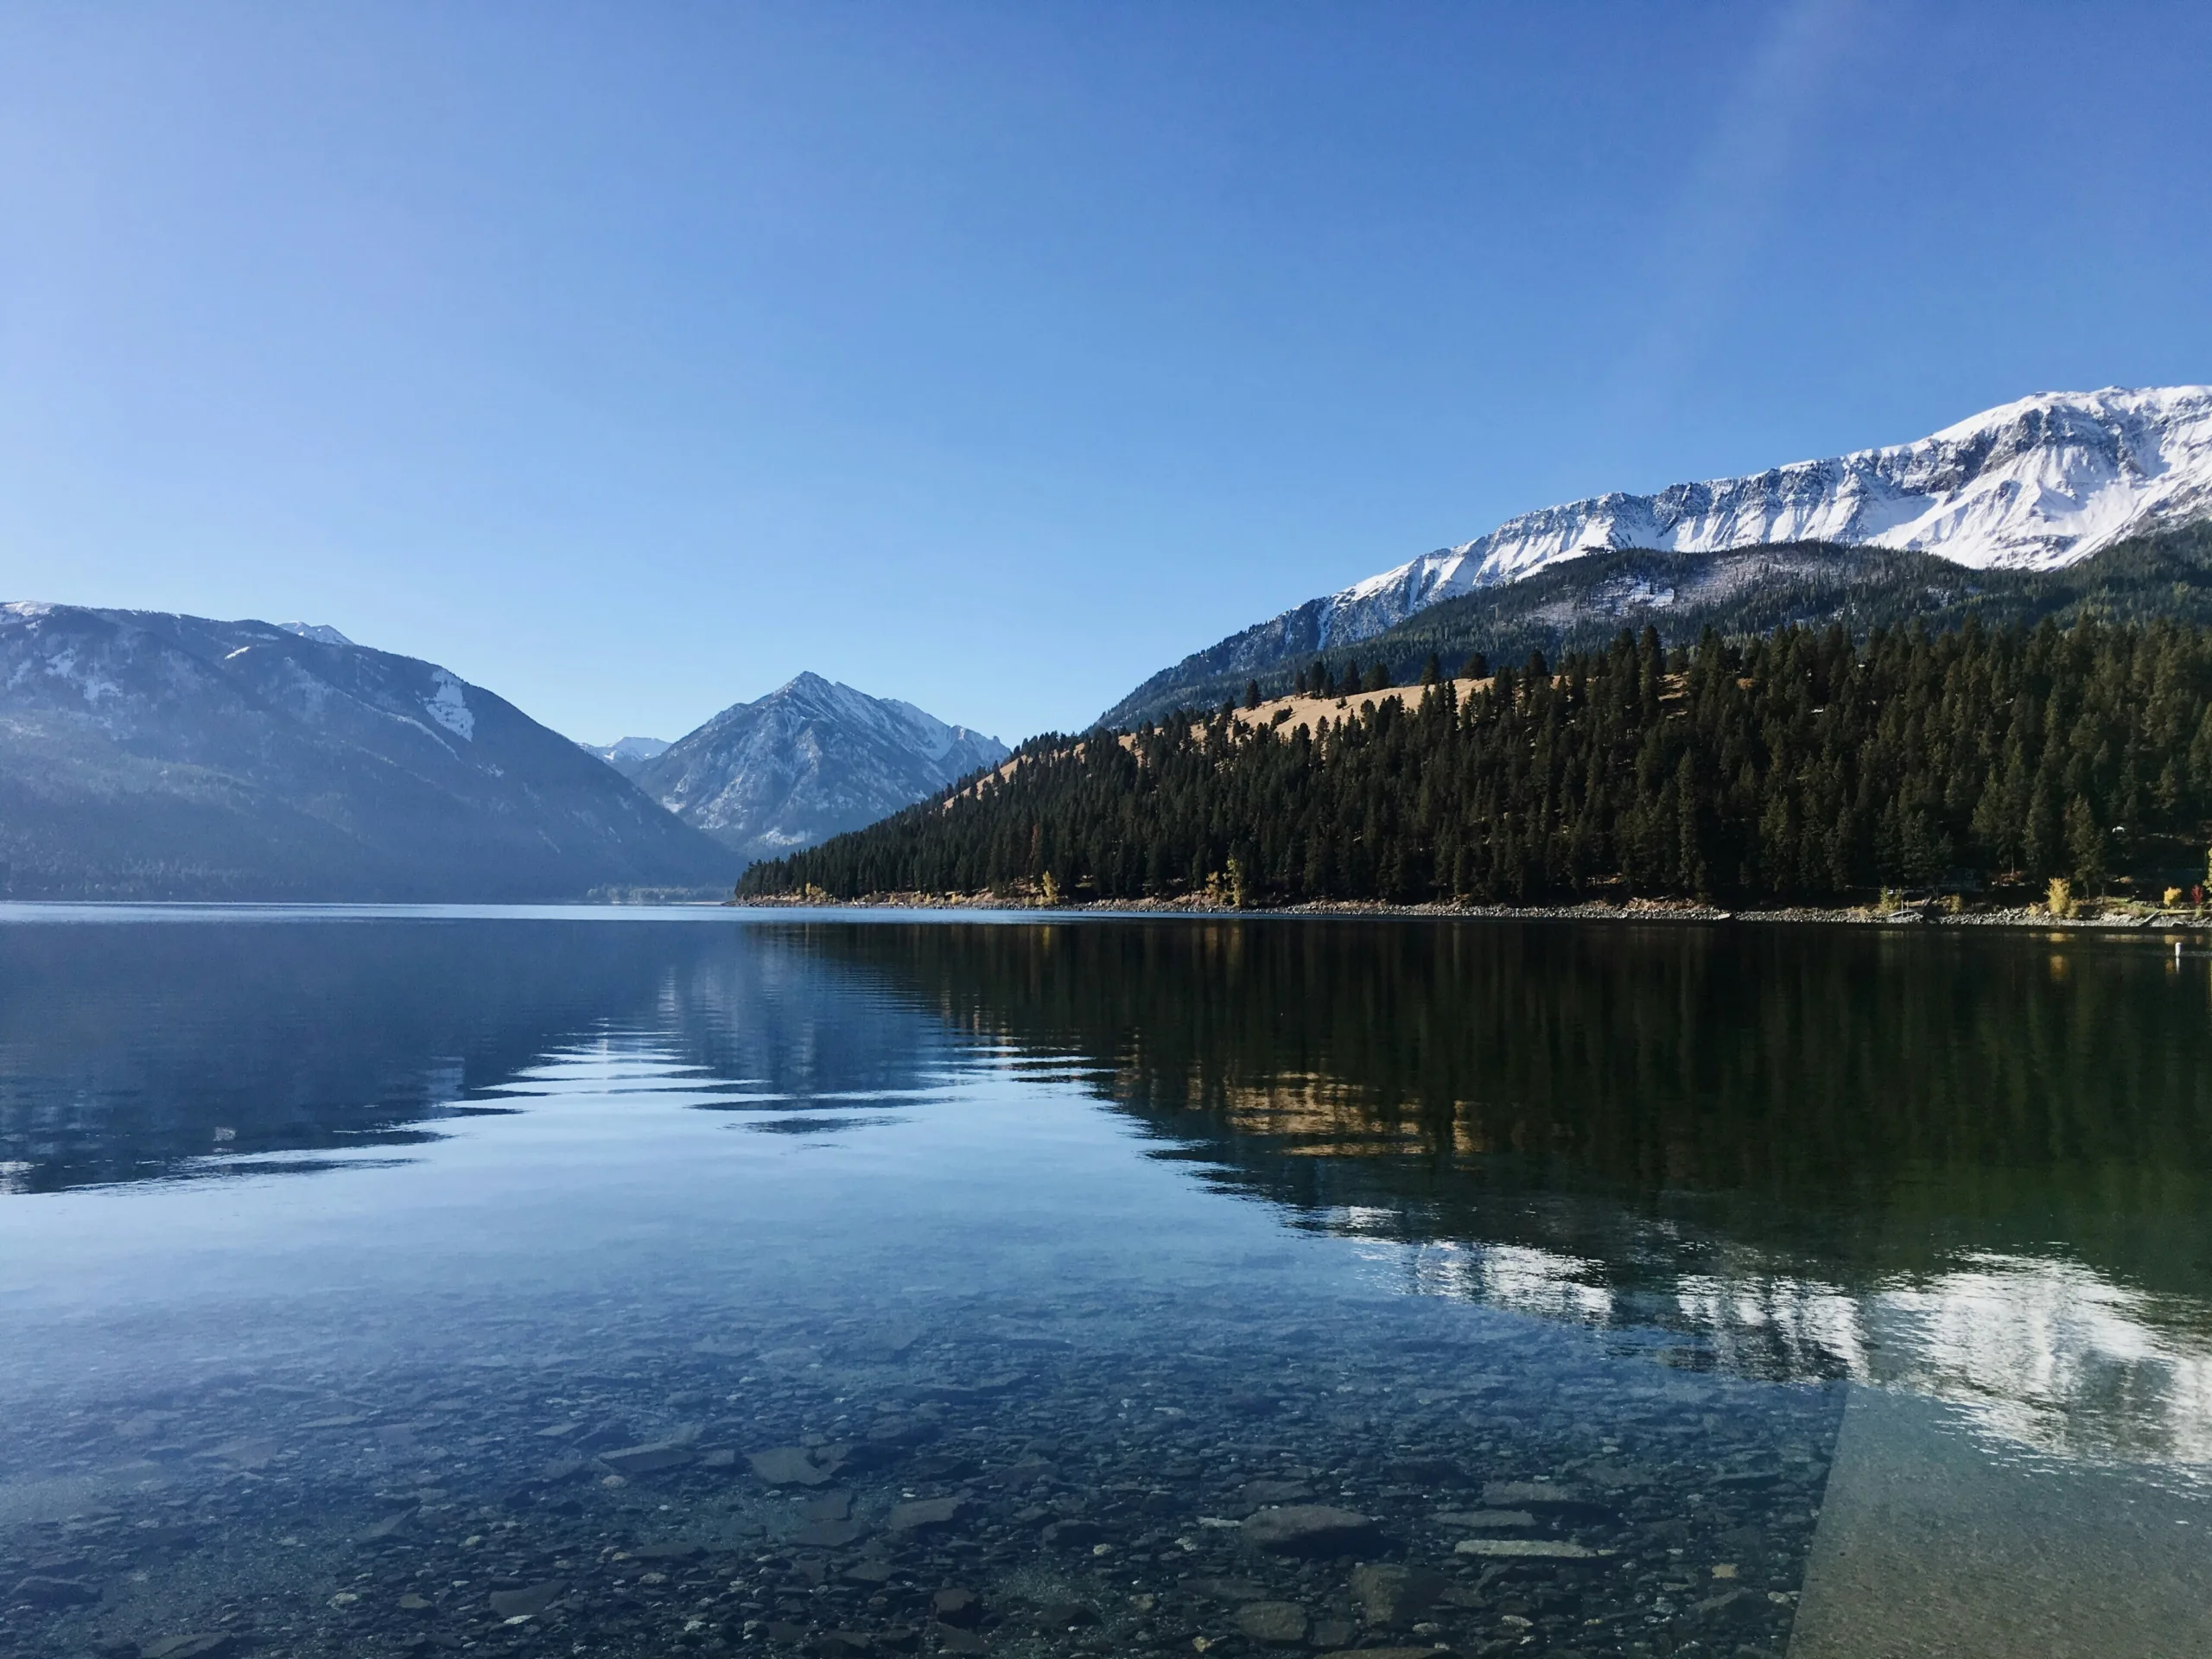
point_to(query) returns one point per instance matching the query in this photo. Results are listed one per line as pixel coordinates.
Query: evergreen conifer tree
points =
(1795, 767)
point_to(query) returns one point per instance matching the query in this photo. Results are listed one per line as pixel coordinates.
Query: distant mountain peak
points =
(626, 754)
(321, 633)
(811, 759)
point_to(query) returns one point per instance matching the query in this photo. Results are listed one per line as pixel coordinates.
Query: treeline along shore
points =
(1981, 766)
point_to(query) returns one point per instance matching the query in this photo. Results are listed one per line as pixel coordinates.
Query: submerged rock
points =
(1539, 1549)
(1488, 1520)
(830, 1534)
(955, 1607)
(1390, 1594)
(43, 1592)
(527, 1602)
(666, 1552)
(1553, 1497)
(792, 1465)
(1065, 1615)
(649, 1458)
(925, 1514)
(211, 1644)
(1308, 1530)
(386, 1530)
(1229, 1590)
(1281, 1623)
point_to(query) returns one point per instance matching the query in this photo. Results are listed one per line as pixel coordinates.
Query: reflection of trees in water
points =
(1980, 1164)
(1809, 1078)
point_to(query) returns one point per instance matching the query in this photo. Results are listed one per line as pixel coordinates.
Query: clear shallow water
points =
(1644, 1290)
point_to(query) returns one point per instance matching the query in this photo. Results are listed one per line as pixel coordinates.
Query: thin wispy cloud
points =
(1712, 230)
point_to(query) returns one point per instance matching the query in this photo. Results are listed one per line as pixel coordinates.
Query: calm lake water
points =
(624, 1282)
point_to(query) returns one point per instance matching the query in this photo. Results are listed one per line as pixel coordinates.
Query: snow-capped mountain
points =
(626, 754)
(807, 761)
(150, 755)
(2033, 485)
(2036, 484)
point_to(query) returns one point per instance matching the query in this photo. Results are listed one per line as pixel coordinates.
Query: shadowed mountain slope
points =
(145, 755)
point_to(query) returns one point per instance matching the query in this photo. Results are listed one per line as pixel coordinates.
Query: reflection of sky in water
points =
(1596, 1208)
(2047, 1355)
(811, 1036)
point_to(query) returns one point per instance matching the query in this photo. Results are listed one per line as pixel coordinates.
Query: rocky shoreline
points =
(2129, 919)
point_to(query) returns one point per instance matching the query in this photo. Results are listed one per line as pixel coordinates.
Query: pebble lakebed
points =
(1208, 1474)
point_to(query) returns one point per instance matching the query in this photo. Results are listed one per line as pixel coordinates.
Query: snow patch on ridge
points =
(2036, 484)
(321, 633)
(448, 705)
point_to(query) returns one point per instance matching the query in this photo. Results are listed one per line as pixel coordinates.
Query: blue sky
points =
(630, 359)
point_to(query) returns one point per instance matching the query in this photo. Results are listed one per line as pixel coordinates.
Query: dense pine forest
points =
(1798, 767)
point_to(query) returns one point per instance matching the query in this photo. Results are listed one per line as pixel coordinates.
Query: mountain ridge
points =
(1582, 603)
(156, 755)
(2037, 483)
(626, 754)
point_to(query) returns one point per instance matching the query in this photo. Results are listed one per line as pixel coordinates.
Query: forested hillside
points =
(1798, 766)
(1578, 605)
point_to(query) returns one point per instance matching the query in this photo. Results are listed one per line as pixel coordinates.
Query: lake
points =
(711, 1281)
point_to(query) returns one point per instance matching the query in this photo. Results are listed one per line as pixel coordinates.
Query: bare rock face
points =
(1309, 1530)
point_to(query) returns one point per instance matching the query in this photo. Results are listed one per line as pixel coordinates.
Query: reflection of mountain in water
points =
(1982, 1165)
(792, 1031)
(160, 1048)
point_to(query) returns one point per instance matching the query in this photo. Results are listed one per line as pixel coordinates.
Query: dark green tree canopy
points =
(1796, 766)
